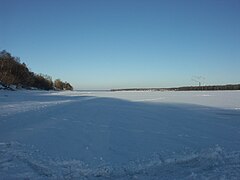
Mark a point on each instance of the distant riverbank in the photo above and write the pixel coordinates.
(186, 88)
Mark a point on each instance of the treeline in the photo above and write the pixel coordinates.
(209, 88)
(187, 88)
(13, 72)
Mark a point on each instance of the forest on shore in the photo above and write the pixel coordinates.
(15, 73)
(187, 88)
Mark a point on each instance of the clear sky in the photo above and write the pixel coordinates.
(103, 44)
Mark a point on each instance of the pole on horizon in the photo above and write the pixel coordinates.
(199, 80)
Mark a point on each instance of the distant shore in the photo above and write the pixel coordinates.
(187, 88)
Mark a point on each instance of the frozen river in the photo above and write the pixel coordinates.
(120, 135)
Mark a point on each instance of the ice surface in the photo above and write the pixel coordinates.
(119, 135)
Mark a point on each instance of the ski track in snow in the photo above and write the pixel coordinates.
(122, 135)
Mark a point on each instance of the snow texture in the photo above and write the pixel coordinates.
(119, 135)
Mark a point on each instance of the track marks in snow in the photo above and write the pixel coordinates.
(212, 163)
(143, 100)
(25, 106)
(28, 106)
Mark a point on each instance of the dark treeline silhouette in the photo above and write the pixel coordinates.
(209, 88)
(13, 72)
(187, 88)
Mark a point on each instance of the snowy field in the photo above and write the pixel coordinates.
(119, 135)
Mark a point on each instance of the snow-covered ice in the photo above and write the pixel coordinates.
(119, 135)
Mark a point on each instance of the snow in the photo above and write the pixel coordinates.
(119, 135)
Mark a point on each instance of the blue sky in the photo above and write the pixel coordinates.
(103, 44)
